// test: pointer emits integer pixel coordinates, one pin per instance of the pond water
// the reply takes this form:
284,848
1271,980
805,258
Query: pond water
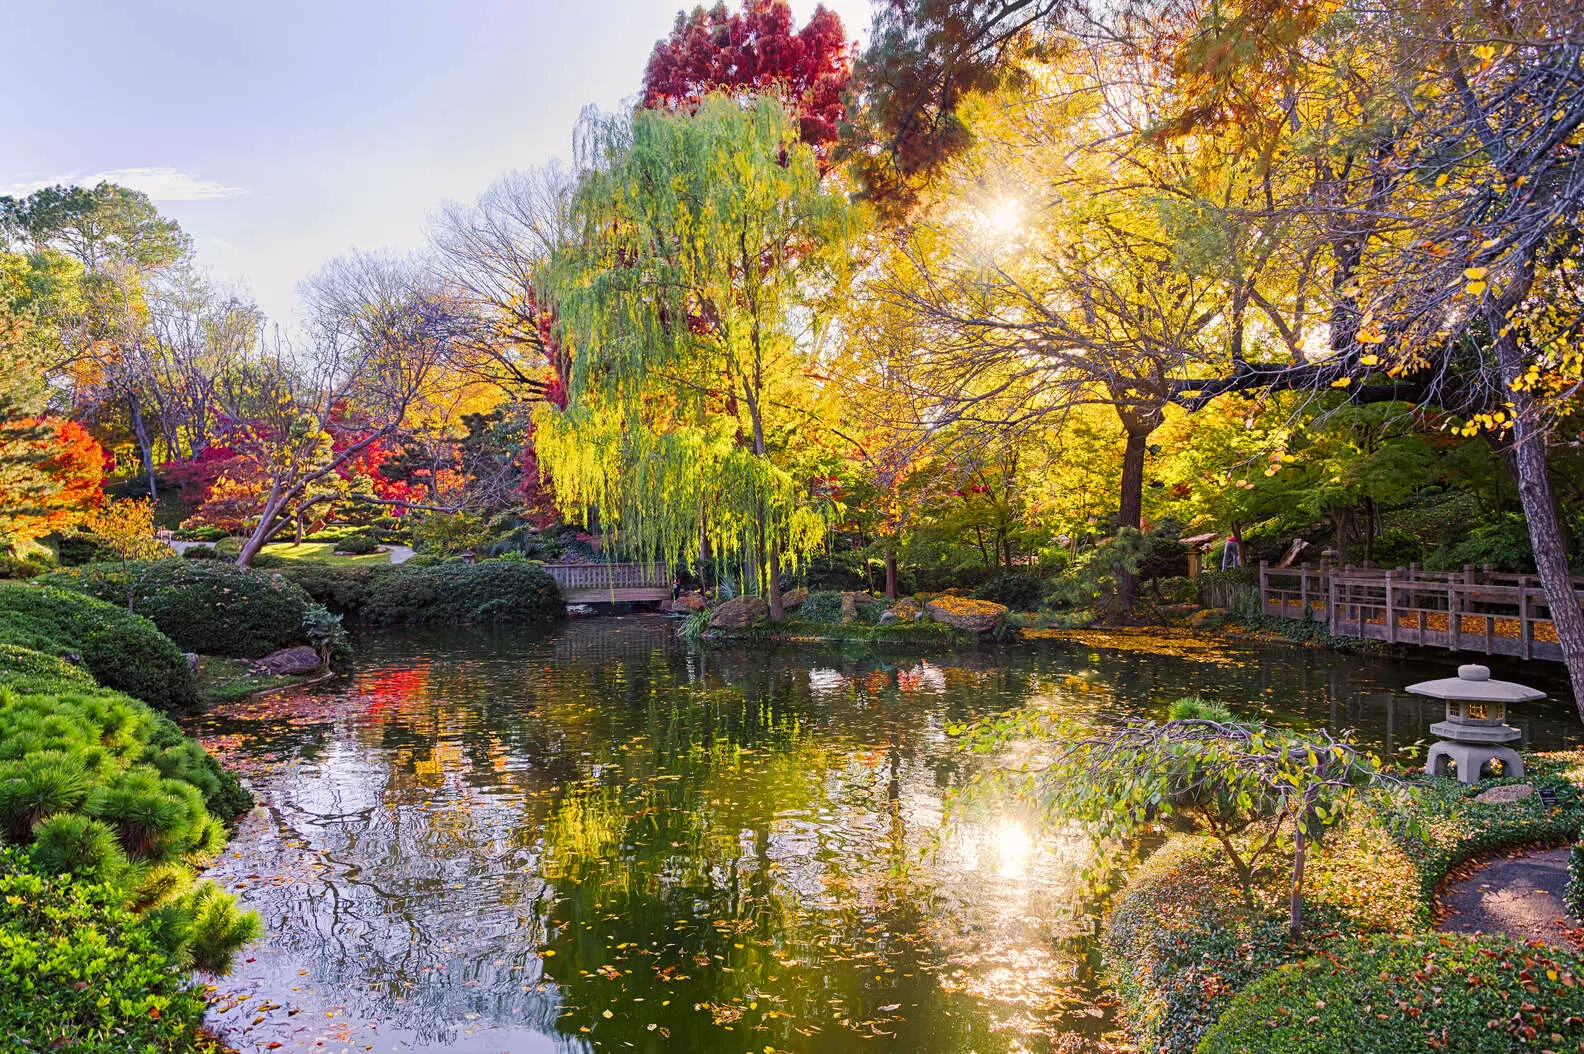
593,838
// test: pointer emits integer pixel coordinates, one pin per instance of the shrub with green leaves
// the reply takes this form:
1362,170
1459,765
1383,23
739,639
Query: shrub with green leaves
1019,592
205,606
344,589
24,670
1408,994
123,651
95,785
80,971
487,592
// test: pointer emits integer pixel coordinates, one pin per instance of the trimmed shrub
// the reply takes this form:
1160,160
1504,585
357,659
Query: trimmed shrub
202,552
358,544
492,591
206,606
123,651
1396,995
25,565
24,670
79,971
341,588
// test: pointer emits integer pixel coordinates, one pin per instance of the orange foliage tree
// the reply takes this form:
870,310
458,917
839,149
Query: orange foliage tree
51,475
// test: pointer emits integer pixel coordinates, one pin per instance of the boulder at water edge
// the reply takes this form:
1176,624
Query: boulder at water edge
793,599
290,662
908,609
738,614
965,613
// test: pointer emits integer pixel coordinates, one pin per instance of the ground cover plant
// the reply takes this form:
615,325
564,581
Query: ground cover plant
1406,994
122,651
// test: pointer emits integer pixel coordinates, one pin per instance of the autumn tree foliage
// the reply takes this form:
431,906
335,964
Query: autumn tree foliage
51,474
756,51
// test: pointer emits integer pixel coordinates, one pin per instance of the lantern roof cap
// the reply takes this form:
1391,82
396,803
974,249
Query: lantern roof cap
1473,683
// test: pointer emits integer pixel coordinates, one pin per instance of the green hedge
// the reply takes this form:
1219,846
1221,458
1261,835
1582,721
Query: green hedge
1410,994
489,591
205,606
343,588
24,670
79,971
123,651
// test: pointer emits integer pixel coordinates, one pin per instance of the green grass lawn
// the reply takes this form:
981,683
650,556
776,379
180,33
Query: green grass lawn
224,680
321,553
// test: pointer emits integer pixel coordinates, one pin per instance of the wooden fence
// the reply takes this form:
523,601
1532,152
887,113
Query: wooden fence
1469,610
607,583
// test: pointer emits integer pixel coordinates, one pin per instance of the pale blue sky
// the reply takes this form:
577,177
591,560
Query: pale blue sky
284,132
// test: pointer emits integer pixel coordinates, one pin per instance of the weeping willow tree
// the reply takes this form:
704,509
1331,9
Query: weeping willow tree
691,301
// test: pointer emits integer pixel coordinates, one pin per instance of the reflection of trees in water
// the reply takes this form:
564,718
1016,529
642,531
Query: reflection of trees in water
721,827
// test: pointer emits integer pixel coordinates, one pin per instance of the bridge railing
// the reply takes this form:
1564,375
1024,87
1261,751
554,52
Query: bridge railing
580,579
1469,610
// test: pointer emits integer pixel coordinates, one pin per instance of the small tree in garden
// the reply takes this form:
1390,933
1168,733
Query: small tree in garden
126,528
1263,794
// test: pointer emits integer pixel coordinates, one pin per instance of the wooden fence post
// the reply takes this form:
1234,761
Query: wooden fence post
1391,614
1525,626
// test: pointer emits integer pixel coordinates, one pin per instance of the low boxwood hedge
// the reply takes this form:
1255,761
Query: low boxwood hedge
342,588
1410,994
79,971
122,651
205,606
24,670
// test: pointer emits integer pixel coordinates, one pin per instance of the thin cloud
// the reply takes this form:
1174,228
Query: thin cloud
160,184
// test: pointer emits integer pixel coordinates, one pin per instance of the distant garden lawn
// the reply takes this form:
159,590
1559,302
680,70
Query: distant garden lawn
321,553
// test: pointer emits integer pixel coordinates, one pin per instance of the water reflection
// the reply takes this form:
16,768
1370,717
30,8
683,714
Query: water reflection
598,840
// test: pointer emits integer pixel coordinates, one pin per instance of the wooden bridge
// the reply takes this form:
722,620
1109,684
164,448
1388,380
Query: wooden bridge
1469,610
608,583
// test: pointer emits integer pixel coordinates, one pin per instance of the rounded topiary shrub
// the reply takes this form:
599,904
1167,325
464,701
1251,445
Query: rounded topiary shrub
205,606
123,651
493,591
1396,995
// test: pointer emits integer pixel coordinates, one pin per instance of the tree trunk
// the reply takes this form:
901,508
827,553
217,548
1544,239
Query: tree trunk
1131,506
1545,536
1295,896
145,446
1538,498
891,573
777,611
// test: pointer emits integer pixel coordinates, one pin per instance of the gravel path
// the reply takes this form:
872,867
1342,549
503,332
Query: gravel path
1520,896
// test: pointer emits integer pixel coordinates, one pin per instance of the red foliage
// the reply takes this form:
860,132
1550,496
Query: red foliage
756,51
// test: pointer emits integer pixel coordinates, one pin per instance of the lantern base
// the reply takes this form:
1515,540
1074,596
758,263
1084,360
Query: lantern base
1471,759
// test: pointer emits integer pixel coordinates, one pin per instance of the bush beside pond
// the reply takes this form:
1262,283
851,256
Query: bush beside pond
1407,994
487,592
122,651
95,785
1184,946
205,606
80,971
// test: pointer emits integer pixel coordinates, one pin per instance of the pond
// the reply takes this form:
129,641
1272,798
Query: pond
593,838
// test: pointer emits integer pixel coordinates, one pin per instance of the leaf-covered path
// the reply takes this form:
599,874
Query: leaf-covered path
1518,895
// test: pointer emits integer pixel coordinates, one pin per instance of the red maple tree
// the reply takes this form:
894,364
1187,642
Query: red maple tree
756,51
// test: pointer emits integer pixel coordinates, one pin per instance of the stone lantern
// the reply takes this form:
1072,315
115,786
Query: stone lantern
1476,728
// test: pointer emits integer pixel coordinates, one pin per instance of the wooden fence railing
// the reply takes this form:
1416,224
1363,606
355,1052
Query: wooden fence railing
1468,610
593,583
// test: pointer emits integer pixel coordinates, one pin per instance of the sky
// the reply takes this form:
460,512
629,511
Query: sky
283,133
